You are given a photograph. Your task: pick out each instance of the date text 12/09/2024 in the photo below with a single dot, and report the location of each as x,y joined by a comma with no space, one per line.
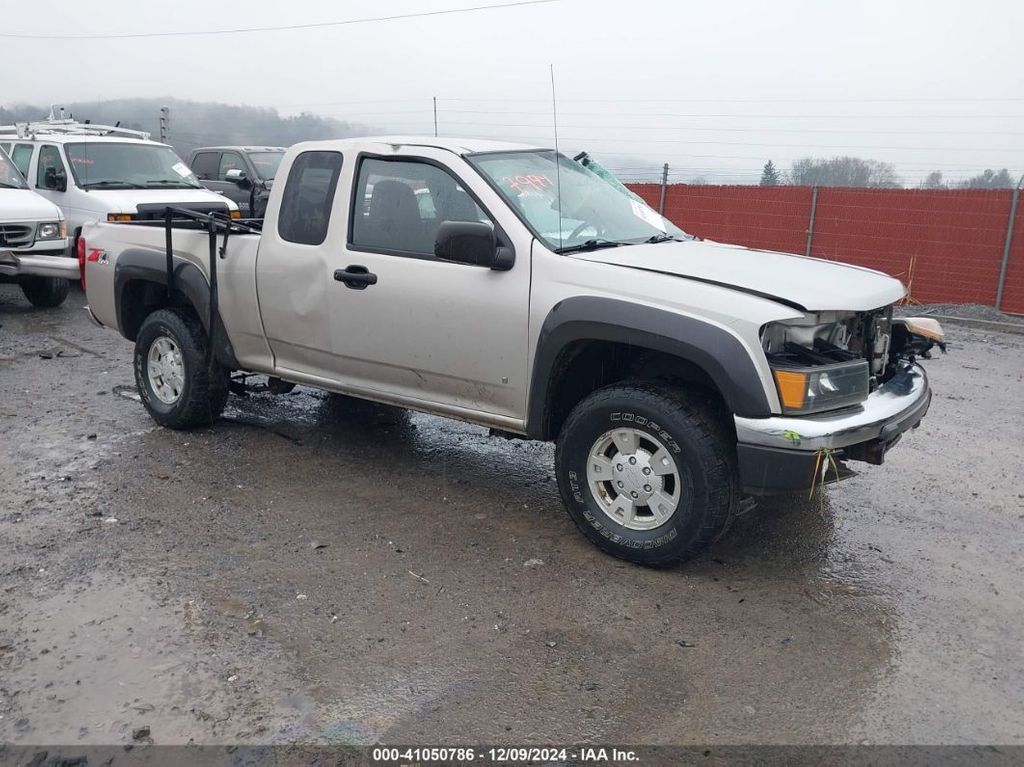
502,754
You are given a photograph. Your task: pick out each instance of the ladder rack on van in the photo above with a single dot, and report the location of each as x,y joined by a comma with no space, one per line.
68,127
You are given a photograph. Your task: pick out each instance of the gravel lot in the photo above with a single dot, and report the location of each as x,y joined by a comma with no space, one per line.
310,570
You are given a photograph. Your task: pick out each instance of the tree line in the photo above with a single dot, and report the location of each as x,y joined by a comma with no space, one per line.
859,172
194,124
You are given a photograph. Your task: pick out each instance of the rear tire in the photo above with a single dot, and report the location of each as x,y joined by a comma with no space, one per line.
45,292
647,473
177,387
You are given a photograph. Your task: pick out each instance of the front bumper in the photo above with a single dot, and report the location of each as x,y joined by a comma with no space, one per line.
44,263
780,453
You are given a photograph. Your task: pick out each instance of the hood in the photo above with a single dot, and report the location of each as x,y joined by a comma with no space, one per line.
810,284
128,200
26,205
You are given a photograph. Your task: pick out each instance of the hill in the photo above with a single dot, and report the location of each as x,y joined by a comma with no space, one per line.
194,123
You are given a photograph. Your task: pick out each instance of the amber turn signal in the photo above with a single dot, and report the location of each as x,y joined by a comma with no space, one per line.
792,388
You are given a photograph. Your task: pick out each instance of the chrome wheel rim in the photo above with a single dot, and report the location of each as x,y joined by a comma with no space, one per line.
165,369
634,479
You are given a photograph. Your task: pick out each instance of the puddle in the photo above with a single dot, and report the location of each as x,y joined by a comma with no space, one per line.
103,658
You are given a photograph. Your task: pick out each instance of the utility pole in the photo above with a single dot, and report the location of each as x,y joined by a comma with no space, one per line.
435,116
165,123
664,187
810,223
1007,243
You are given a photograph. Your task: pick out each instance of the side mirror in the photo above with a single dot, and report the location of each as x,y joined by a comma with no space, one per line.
237,175
55,179
471,242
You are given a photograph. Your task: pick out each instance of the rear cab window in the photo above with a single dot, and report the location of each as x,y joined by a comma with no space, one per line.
308,197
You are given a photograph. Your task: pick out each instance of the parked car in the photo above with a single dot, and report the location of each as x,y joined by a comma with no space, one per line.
33,240
534,297
244,174
104,173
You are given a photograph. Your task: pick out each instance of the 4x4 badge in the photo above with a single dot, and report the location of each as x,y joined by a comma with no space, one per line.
98,255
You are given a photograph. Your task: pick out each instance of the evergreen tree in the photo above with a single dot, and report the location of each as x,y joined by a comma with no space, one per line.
770,176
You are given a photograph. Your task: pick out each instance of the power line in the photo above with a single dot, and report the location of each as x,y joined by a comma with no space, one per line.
756,101
606,113
804,147
290,27
744,130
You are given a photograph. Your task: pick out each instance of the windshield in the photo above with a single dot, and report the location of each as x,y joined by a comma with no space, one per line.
594,212
99,165
10,176
266,163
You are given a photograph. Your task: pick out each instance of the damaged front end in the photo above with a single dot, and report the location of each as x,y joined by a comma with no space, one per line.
849,386
857,352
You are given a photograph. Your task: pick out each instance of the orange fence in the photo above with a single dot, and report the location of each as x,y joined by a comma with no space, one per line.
947,246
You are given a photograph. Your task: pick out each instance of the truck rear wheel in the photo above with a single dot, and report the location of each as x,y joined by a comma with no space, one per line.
177,387
45,292
647,473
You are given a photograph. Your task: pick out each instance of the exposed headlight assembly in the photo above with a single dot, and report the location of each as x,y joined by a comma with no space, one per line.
815,389
51,230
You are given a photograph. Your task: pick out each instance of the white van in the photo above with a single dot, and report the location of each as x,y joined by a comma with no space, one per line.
34,250
105,173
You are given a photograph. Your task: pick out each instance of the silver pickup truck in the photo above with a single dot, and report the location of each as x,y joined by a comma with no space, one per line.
514,288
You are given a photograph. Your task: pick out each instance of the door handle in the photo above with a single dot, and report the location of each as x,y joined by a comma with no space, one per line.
355,277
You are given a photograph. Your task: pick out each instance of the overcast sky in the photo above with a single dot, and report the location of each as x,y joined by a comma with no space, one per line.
712,87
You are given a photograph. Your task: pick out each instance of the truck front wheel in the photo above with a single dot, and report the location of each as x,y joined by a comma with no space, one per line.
177,386
45,292
647,473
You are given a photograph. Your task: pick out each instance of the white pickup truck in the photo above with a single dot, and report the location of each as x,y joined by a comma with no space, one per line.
513,288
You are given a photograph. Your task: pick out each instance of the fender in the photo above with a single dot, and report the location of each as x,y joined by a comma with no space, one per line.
151,266
716,351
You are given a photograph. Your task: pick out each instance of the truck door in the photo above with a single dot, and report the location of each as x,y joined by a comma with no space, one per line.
437,335
295,266
430,330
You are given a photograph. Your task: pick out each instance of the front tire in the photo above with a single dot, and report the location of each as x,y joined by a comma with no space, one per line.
45,292
177,387
647,473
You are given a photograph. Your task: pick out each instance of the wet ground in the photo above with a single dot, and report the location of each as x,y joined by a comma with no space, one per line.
314,570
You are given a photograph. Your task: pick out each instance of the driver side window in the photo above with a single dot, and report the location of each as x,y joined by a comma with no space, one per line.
49,162
399,204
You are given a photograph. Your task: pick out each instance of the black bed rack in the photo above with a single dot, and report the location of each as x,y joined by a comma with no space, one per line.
214,222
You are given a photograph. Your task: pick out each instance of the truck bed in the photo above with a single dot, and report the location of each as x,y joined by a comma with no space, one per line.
139,250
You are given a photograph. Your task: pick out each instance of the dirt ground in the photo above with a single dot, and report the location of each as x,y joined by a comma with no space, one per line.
309,570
